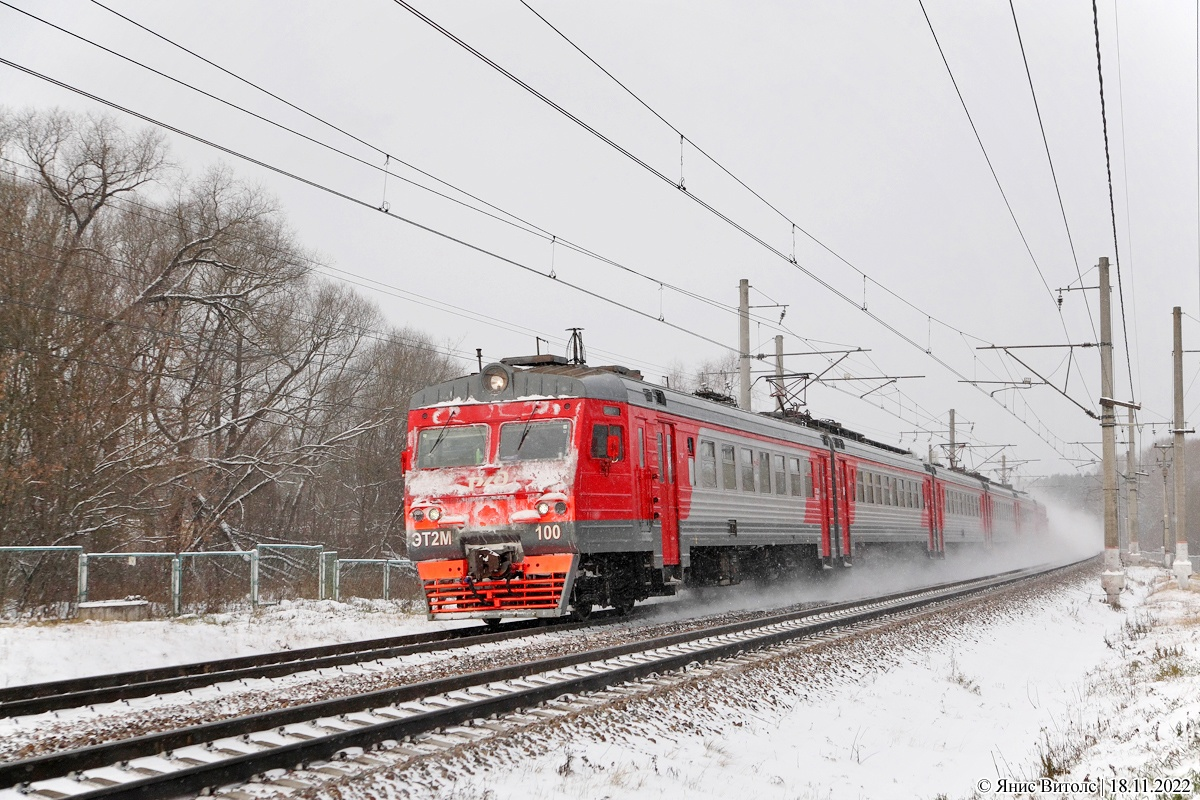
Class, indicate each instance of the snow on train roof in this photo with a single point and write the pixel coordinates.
(618, 385)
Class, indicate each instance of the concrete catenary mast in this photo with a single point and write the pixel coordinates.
(1183, 565)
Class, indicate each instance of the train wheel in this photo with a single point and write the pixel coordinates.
(582, 611)
(493, 623)
(624, 607)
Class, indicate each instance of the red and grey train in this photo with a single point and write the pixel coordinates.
(538, 488)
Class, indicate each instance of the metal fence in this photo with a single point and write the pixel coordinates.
(194, 582)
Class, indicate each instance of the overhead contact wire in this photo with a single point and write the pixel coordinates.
(350, 198)
(1112, 206)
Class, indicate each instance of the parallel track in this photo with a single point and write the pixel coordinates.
(40, 698)
(170, 764)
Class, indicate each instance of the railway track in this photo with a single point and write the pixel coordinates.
(40, 698)
(339, 735)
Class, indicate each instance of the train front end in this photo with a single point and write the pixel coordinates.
(489, 475)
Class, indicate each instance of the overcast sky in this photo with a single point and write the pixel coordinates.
(842, 115)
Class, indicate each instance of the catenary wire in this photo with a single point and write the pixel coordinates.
(350, 198)
(667, 179)
(1125, 183)
(502, 215)
(536, 228)
(1112, 206)
(482, 250)
(456, 354)
(1049, 160)
(371, 284)
(792, 223)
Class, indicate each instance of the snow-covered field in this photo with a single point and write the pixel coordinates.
(1053, 682)
(33, 653)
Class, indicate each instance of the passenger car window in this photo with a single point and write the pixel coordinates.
(728, 468)
(747, 470)
(708, 464)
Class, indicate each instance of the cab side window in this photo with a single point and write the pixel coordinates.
(608, 441)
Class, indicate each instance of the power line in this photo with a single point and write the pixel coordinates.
(362, 331)
(1053, 174)
(704, 204)
(155, 213)
(1112, 206)
(685, 138)
(507, 217)
(983, 149)
(995, 177)
(477, 248)
(351, 199)
(381, 151)
(1125, 178)
(355, 280)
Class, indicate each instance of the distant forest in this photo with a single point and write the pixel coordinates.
(174, 374)
(1084, 491)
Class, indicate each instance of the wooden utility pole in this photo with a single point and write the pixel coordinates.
(1112, 578)
(1183, 565)
(744, 344)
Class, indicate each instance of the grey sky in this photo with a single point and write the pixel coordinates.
(841, 114)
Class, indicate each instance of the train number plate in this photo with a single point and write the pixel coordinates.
(431, 538)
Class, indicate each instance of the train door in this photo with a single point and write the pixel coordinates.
(646, 467)
(939, 510)
(665, 490)
(834, 505)
(845, 492)
(985, 510)
(927, 493)
(820, 471)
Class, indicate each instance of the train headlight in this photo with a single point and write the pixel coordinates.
(560, 507)
(418, 514)
(495, 378)
(543, 508)
(434, 514)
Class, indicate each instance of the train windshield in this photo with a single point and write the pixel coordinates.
(452, 446)
(534, 441)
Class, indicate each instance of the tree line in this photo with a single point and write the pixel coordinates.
(1084, 491)
(174, 374)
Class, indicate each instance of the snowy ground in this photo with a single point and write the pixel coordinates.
(1050, 681)
(47, 651)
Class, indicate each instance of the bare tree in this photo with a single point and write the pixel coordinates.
(172, 375)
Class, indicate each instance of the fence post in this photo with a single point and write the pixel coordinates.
(83, 577)
(387, 579)
(325, 576)
(254, 578)
(176, 584)
(337, 580)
